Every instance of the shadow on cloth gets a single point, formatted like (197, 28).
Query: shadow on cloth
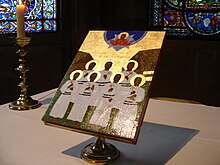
(155, 146)
(46, 101)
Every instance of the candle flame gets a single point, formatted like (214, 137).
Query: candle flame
(20, 2)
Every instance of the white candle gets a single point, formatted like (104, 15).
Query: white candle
(20, 20)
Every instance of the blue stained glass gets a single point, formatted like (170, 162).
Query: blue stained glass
(173, 18)
(7, 10)
(33, 26)
(34, 10)
(49, 25)
(203, 22)
(175, 3)
(40, 15)
(49, 8)
(203, 4)
(7, 26)
(48, 2)
(48, 12)
(186, 17)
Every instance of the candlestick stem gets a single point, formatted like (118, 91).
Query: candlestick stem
(24, 102)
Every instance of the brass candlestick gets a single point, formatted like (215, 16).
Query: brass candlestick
(100, 152)
(24, 102)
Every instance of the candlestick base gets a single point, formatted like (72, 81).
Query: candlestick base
(24, 103)
(100, 152)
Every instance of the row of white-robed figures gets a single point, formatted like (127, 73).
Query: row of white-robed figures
(105, 91)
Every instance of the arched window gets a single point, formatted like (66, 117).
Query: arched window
(186, 17)
(40, 16)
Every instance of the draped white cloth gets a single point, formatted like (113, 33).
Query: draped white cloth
(25, 139)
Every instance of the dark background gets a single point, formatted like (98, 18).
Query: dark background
(189, 68)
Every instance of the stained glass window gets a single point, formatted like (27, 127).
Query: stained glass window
(186, 17)
(40, 15)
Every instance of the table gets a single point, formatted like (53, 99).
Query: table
(173, 133)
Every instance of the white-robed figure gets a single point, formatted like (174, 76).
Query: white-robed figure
(89, 67)
(103, 110)
(129, 72)
(105, 74)
(87, 96)
(125, 123)
(69, 88)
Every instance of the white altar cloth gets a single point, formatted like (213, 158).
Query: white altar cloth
(25, 140)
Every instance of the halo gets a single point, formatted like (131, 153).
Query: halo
(88, 63)
(135, 65)
(126, 33)
(97, 77)
(113, 76)
(109, 60)
(143, 79)
(76, 71)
